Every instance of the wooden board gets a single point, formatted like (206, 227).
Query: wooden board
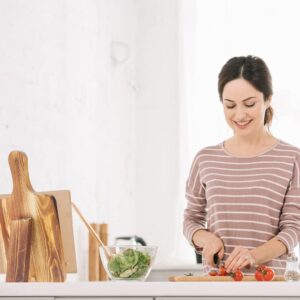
(215, 278)
(18, 261)
(63, 201)
(47, 258)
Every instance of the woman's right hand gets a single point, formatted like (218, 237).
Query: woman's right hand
(211, 245)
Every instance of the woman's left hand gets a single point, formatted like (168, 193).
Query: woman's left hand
(238, 259)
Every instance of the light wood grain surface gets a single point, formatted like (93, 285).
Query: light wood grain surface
(215, 278)
(94, 255)
(18, 260)
(47, 261)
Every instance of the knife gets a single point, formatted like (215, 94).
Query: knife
(216, 257)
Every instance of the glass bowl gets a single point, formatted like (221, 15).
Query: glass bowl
(128, 262)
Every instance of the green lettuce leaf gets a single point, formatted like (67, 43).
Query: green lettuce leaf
(130, 263)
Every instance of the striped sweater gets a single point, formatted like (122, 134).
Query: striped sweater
(246, 200)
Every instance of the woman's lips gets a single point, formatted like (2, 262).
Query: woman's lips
(242, 125)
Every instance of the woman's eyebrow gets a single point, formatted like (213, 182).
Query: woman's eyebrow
(242, 100)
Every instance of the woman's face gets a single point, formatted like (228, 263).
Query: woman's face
(244, 107)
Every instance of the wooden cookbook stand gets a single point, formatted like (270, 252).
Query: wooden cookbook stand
(36, 232)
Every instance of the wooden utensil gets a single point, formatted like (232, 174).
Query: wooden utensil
(216, 278)
(47, 261)
(91, 230)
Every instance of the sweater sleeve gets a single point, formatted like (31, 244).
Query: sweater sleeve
(289, 224)
(195, 212)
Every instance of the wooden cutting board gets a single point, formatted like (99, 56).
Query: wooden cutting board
(215, 278)
(47, 259)
(63, 201)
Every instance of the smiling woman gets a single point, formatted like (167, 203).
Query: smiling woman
(243, 194)
(241, 112)
(245, 89)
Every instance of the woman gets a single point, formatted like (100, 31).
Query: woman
(244, 193)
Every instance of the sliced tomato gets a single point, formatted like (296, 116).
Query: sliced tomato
(222, 271)
(213, 273)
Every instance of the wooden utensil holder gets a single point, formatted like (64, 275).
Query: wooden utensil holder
(96, 269)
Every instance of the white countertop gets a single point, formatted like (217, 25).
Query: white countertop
(153, 289)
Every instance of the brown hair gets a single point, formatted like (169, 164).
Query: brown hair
(255, 71)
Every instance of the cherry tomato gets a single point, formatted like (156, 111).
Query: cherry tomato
(269, 275)
(238, 275)
(213, 273)
(259, 276)
(222, 271)
(261, 267)
(264, 273)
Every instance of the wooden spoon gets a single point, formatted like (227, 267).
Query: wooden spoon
(92, 231)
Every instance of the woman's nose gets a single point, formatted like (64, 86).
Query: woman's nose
(240, 114)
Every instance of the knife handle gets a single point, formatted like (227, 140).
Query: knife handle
(216, 258)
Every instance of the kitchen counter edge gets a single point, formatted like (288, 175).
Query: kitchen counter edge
(152, 289)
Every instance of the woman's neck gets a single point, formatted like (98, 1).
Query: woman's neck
(250, 145)
(262, 138)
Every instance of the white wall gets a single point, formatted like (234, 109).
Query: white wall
(88, 89)
(69, 103)
(157, 125)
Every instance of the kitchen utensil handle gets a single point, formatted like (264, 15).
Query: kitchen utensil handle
(91, 230)
(140, 240)
(136, 238)
(216, 257)
(18, 163)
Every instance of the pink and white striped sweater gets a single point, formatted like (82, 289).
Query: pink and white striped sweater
(246, 201)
